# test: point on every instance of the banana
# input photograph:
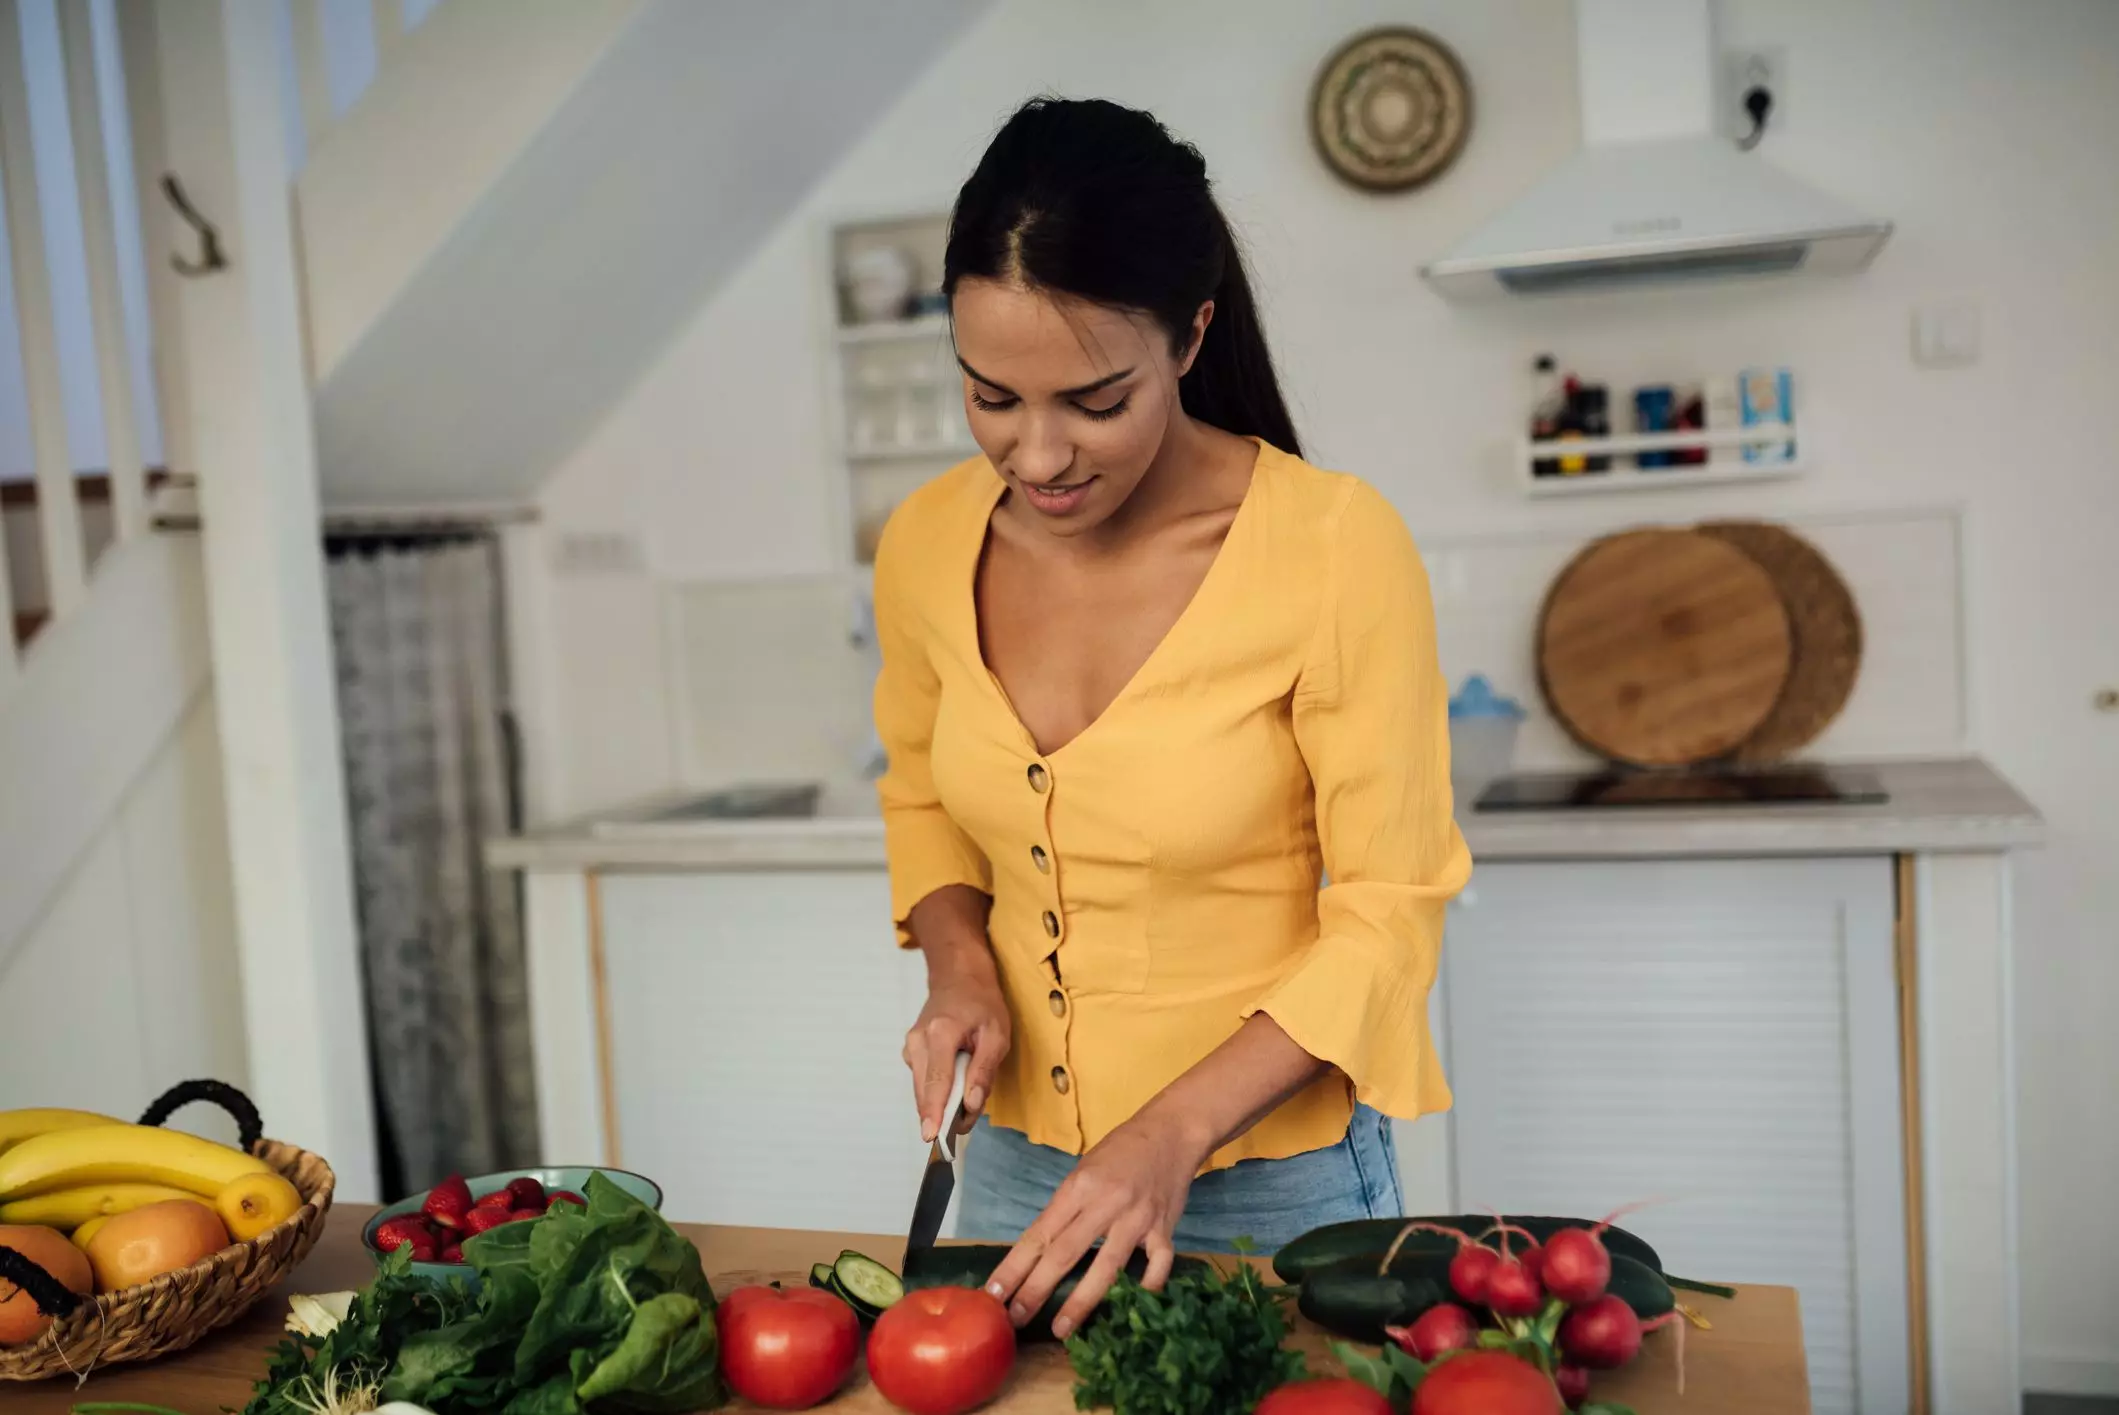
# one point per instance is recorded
(254, 1203)
(121, 1154)
(19, 1125)
(70, 1208)
(86, 1233)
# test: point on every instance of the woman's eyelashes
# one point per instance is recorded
(1002, 405)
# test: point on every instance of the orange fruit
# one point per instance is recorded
(160, 1238)
(20, 1321)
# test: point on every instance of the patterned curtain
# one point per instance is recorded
(422, 707)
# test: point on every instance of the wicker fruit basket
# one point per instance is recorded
(178, 1308)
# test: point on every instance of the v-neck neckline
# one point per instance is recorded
(990, 503)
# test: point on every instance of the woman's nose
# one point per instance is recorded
(1044, 453)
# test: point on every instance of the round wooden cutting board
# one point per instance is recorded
(1827, 629)
(1663, 647)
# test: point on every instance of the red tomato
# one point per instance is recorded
(941, 1350)
(1486, 1383)
(786, 1350)
(1334, 1395)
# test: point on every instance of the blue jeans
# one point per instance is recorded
(1007, 1181)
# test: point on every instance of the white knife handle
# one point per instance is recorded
(948, 1138)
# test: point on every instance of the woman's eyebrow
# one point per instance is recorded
(1082, 392)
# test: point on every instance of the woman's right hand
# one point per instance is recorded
(965, 1011)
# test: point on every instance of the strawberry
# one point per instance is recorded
(424, 1251)
(567, 1196)
(527, 1193)
(498, 1199)
(523, 1215)
(454, 1253)
(448, 1202)
(483, 1217)
(393, 1234)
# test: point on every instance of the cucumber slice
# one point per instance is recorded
(820, 1276)
(866, 1283)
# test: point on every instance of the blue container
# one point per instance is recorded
(1655, 409)
(574, 1178)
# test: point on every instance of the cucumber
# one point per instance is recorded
(1372, 1237)
(1640, 1287)
(820, 1276)
(972, 1264)
(1348, 1299)
(868, 1287)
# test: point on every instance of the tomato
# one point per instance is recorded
(941, 1350)
(786, 1350)
(1486, 1383)
(1335, 1395)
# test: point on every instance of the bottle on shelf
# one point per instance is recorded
(1548, 406)
(1590, 405)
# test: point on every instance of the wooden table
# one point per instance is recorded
(1751, 1363)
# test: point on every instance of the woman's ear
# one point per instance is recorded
(1201, 318)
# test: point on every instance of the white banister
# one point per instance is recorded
(389, 27)
(139, 41)
(312, 70)
(58, 514)
(106, 305)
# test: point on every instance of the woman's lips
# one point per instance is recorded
(1057, 500)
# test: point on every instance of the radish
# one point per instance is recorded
(1573, 1382)
(1577, 1268)
(1442, 1327)
(1512, 1287)
(1471, 1271)
(1604, 1334)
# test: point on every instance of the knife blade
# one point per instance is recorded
(938, 1180)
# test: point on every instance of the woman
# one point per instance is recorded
(1146, 676)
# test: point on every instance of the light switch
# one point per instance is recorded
(1946, 335)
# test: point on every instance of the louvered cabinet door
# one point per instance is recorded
(1719, 1033)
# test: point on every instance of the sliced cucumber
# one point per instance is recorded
(820, 1276)
(870, 1287)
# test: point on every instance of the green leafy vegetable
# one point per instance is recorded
(1394, 1372)
(596, 1311)
(1205, 1345)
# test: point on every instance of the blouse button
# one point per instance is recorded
(1039, 858)
(1040, 779)
(1058, 1002)
(1051, 924)
(1059, 1079)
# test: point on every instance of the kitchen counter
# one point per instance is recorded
(1934, 807)
(1750, 1363)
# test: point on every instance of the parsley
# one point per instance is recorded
(1205, 1345)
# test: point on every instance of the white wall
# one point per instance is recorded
(1984, 130)
(127, 982)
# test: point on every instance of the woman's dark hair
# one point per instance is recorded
(1087, 198)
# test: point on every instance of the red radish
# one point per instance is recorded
(1534, 1258)
(1573, 1382)
(1442, 1327)
(448, 1202)
(1602, 1334)
(1577, 1268)
(1471, 1271)
(1513, 1291)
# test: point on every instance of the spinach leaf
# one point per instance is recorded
(665, 1362)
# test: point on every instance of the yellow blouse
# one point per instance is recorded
(1155, 881)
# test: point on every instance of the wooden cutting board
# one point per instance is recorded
(1663, 647)
(1827, 636)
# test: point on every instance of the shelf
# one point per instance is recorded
(1663, 478)
(1720, 470)
(914, 451)
(925, 326)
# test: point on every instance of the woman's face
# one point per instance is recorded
(1069, 400)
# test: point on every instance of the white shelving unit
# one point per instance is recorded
(1726, 462)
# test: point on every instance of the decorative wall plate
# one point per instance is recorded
(1391, 109)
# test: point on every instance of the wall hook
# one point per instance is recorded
(210, 256)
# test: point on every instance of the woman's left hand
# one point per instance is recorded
(1129, 1191)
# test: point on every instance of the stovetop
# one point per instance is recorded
(1613, 787)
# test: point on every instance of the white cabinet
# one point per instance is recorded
(756, 1020)
(1718, 1034)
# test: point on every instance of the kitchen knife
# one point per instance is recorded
(938, 1181)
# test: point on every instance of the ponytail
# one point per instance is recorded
(1091, 199)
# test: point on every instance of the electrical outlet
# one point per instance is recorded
(1756, 67)
(598, 553)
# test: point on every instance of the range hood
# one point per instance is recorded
(1655, 195)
